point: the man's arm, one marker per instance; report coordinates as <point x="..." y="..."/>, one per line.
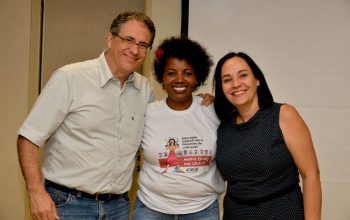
<point x="42" y="206"/>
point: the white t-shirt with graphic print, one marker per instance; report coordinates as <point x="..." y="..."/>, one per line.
<point x="179" y="174"/>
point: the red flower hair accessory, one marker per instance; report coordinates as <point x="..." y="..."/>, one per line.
<point x="159" y="54"/>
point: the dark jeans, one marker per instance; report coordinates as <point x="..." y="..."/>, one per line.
<point x="73" y="207"/>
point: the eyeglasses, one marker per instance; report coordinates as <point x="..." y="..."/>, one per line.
<point x="131" y="42"/>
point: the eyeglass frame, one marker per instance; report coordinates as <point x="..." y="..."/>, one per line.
<point x="131" y="41"/>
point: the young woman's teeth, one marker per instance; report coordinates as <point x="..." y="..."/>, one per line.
<point x="179" y="89"/>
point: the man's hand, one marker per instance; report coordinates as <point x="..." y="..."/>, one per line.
<point x="42" y="207"/>
<point x="207" y="98"/>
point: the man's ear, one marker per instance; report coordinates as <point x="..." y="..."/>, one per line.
<point x="109" y="39"/>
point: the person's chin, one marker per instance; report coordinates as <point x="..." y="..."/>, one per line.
<point x="182" y="98"/>
<point x="131" y="68"/>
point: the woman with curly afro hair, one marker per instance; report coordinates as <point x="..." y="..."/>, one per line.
<point x="179" y="180"/>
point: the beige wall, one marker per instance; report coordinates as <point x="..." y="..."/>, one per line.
<point x="14" y="78"/>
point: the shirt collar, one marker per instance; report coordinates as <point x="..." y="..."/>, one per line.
<point x="106" y="74"/>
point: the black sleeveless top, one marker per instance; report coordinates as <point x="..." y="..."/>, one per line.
<point x="253" y="157"/>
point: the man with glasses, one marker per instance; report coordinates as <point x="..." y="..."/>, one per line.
<point x="89" y="118"/>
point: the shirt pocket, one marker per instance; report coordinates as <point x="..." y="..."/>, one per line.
<point x="131" y="129"/>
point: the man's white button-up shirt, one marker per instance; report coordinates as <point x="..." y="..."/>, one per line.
<point x="90" y="126"/>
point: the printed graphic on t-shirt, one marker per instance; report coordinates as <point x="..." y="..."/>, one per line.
<point x="188" y="157"/>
